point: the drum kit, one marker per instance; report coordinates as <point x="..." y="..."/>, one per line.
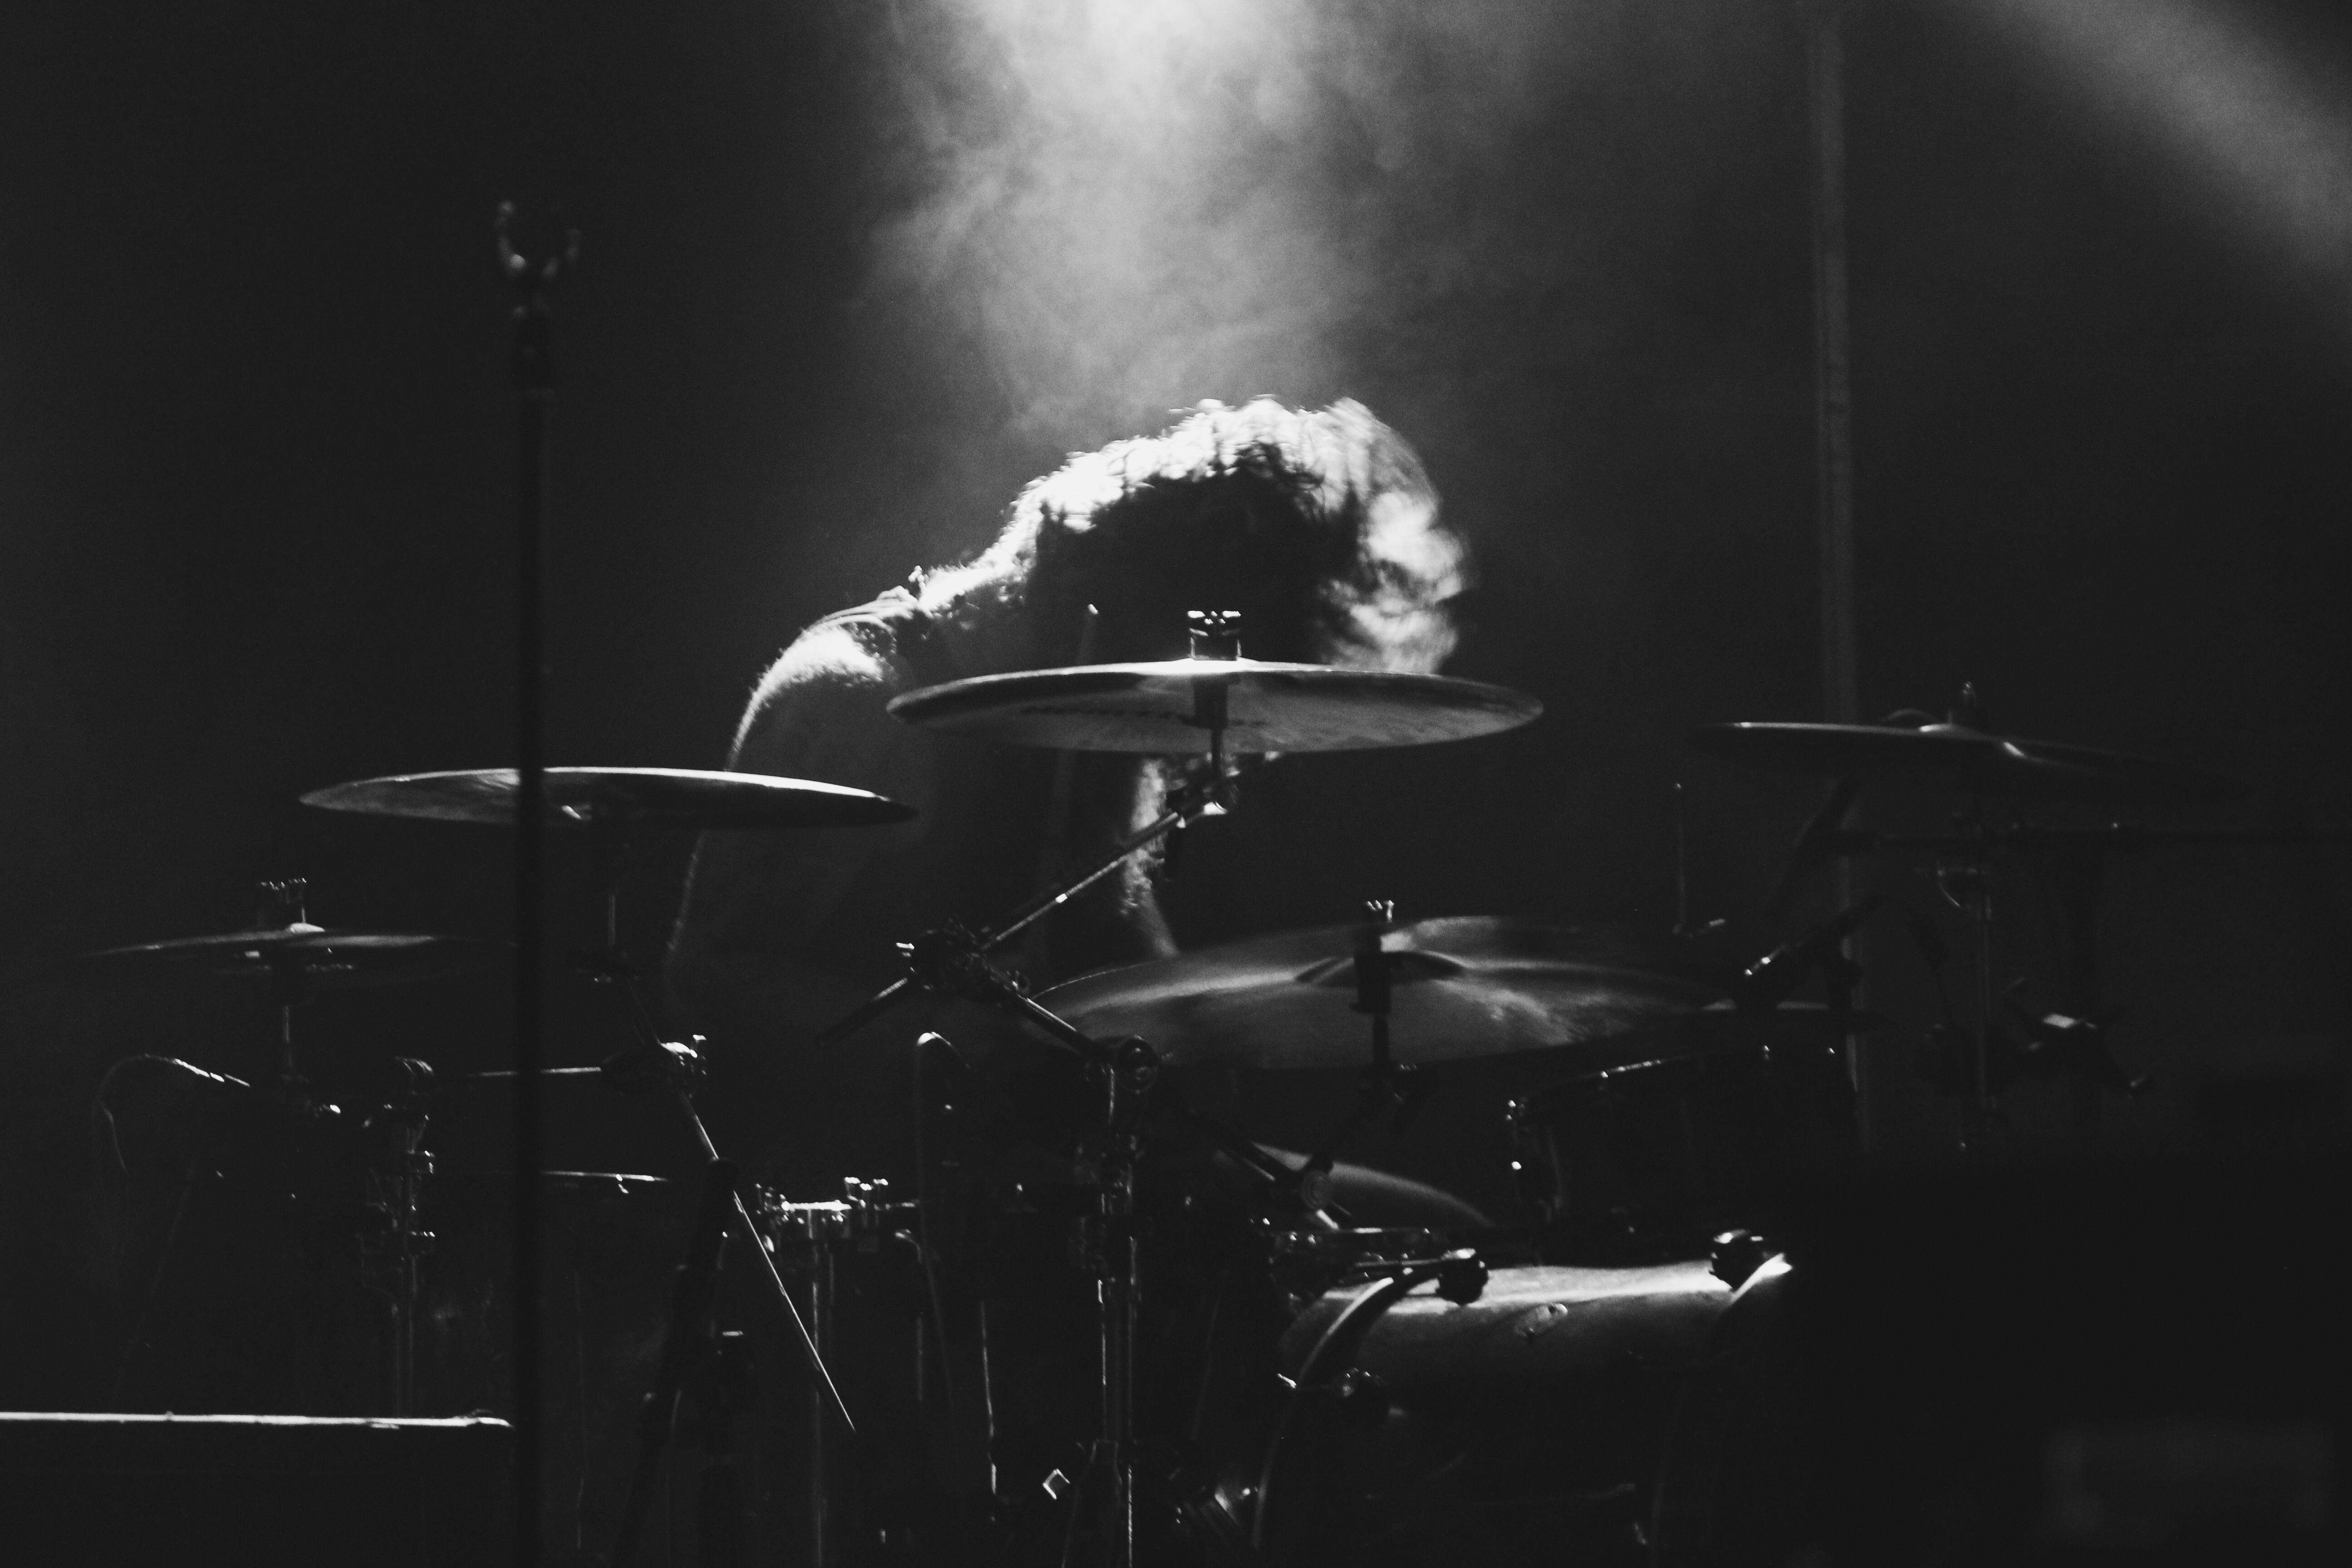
<point x="1186" y="1345"/>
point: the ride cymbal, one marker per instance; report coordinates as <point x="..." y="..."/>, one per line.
<point x="618" y="797"/>
<point x="1158" y="709"/>
<point x="1965" y="761"/>
<point x="1460" y="987"/>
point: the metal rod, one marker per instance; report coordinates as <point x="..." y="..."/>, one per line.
<point x="2120" y="838"/>
<point x="1190" y="801"/>
<point x="1833" y="362"/>
<point x="534" y="387"/>
<point x="1118" y="1261"/>
<point x="1054" y="844"/>
<point x="822" y="1461"/>
<point x="1187" y="803"/>
<point x="750" y="1231"/>
<point x="689" y="1300"/>
<point x="501" y="1075"/>
<point x="1833" y="431"/>
<point x="1682" y="861"/>
<point x="612" y="969"/>
<point x="1117" y="1293"/>
<point x="2079" y="873"/>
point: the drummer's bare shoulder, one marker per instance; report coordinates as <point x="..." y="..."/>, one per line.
<point x="840" y="673"/>
<point x="820" y="712"/>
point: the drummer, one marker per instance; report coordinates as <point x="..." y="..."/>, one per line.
<point x="1320" y="527"/>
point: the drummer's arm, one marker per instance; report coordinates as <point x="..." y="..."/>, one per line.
<point x="755" y="901"/>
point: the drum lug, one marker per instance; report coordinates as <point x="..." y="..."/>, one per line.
<point x="1736" y="1254"/>
<point x="1359" y="1398"/>
<point x="1460" y="1278"/>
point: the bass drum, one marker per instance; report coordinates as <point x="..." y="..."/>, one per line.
<point x="1742" y="1484"/>
<point x="1524" y="1427"/>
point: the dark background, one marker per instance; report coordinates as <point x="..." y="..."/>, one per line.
<point x="256" y="467"/>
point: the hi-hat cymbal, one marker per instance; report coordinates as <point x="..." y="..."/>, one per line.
<point x="1460" y="987"/>
<point x="1962" y="759"/>
<point x="618" y="797"/>
<point x="302" y="957"/>
<point x="1155" y="708"/>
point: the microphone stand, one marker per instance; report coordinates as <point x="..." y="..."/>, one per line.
<point x="533" y="278"/>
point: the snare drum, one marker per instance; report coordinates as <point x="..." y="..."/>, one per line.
<point x="1658" y="1156"/>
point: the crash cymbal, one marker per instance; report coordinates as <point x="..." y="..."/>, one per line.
<point x="302" y="957"/>
<point x="1157" y="709"/>
<point x="617" y="797"/>
<point x="1962" y="759"/>
<point x="1460" y="987"/>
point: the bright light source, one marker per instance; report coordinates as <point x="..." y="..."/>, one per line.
<point x="2233" y="108"/>
<point x="1130" y="205"/>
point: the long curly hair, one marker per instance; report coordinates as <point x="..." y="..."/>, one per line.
<point x="1320" y="526"/>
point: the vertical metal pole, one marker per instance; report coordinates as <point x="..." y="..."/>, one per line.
<point x="534" y="387"/>
<point x="1114" y="1295"/>
<point x="1833" y="427"/>
<point x="822" y="1461"/>
<point x="1833" y="361"/>
<point x="1116" y="1260"/>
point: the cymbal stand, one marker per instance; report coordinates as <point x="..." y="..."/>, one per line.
<point x="1110" y="1249"/>
<point x="955" y="960"/>
<point x="2078" y="873"/>
<point x="282" y="907"/>
<point x="1389" y="1087"/>
<point x="607" y="964"/>
<point x="395" y="1184"/>
<point x="396" y="1193"/>
<point x="1208" y="792"/>
<point x="1965" y="879"/>
<point x="2074" y="859"/>
<point x="1107" y="1240"/>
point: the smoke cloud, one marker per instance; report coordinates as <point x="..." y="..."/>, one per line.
<point x="1104" y="209"/>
